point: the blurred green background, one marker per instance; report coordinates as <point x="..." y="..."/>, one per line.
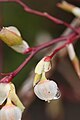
<point x="30" y="26"/>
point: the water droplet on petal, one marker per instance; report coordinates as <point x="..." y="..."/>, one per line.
<point x="58" y="94"/>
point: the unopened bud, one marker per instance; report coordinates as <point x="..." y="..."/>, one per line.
<point x="12" y="37"/>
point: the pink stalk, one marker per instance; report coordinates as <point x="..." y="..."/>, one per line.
<point x="70" y="40"/>
<point x="43" y="14"/>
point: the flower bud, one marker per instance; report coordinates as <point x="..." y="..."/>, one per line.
<point x="47" y="90"/>
<point x="12" y="37"/>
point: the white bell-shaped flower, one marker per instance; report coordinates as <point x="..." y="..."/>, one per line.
<point x="4" y="91"/>
<point x="8" y="90"/>
<point x="47" y="90"/>
<point x="10" y="112"/>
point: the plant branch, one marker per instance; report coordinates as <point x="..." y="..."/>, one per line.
<point x="69" y="39"/>
<point x="42" y="14"/>
<point x="34" y="51"/>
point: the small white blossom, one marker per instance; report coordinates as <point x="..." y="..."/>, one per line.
<point x="10" y="112"/>
<point x="7" y="90"/>
<point x="47" y="90"/>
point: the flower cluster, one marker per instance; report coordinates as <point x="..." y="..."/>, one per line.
<point x="43" y="88"/>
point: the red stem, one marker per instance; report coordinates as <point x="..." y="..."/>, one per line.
<point x="56" y="50"/>
<point x="34" y="51"/>
<point x="69" y="40"/>
<point x="43" y="14"/>
<point x="45" y="45"/>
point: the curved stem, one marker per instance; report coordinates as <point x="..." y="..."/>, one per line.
<point x="34" y="51"/>
<point x="42" y="14"/>
<point x="46" y="44"/>
<point x="71" y="39"/>
<point x="45" y="14"/>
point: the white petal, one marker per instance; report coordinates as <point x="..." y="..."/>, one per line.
<point x="71" y="51"/>
<point x="46" y="90"/>
<point x="47" y="66"/>
<point x="40" y="67"/>
<point x="21" y="48"/>
<point x="13" y="29"/>
<point x="14" y="98"/>
<point x="4" y="91"/>
<point x="10" y="112"/>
